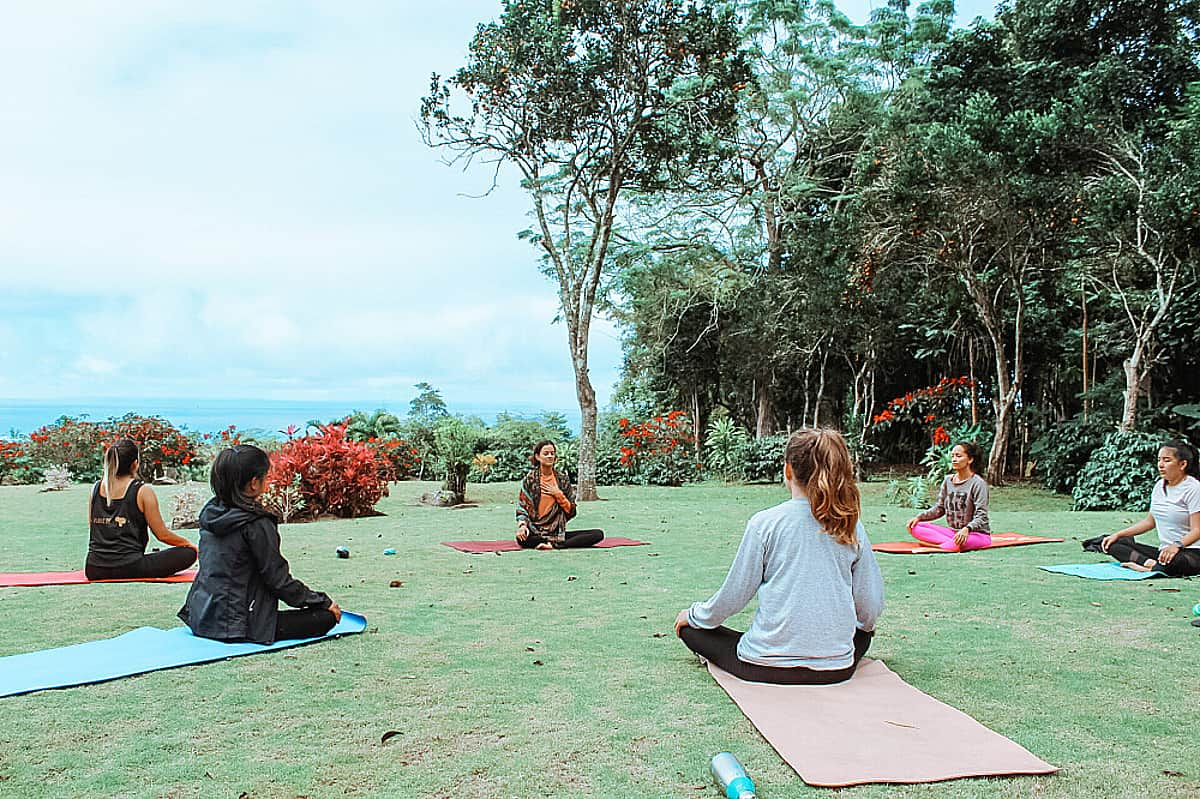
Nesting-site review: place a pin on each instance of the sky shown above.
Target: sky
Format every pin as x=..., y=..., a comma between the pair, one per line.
x=232, y=200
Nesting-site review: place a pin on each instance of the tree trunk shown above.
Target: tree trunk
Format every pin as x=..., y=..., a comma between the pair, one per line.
x=1009, y=376
x=764, y=421
x=578, y=333
x=820, y=390
x=1134, y=378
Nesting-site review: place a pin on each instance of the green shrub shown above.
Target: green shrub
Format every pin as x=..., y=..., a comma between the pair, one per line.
x=1061, y=453
x=761, y=459
x=1120, y=473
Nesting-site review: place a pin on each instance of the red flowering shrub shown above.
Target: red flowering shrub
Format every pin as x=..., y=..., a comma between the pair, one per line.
x=161, y=444
x=659, y=451
x=14, y=463
x=75, y=443
x=400, y=459
x=926, y=404
x=335, y=475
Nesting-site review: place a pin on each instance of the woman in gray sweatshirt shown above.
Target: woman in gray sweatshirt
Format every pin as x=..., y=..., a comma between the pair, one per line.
x=963, y=500
x=808, y=559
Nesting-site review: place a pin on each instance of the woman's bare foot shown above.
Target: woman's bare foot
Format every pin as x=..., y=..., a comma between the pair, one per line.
x=544, y=546
x=1140, y=567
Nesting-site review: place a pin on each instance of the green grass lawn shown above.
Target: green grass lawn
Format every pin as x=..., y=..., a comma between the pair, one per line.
x=556, y=674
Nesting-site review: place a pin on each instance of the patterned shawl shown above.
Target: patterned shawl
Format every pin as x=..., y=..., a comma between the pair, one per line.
x=553, y=525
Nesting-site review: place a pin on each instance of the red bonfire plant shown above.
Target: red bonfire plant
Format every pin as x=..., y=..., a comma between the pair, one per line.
x=336, y=476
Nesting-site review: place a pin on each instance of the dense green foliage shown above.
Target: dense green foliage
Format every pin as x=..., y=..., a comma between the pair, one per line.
x=1119, y=473
x=869, y=209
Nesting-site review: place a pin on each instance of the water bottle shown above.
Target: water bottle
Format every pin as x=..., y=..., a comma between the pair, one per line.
x=732, y=777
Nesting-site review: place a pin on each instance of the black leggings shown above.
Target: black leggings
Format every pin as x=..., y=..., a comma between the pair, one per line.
x=1186, y=562
x=155, y=564
x=306, y=623
x=719, y=646
x=574, y=538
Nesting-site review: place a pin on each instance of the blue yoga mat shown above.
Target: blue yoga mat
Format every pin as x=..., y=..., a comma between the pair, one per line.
x=1109, y=570
x=136, y=652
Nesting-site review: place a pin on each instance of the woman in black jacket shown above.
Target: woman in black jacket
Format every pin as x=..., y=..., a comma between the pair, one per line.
x=243, y=575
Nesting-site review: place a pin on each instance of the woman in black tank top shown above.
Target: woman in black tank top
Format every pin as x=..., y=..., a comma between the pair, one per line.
x=122, y=511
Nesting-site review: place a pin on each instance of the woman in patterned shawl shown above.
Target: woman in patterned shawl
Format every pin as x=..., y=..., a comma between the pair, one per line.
x=546, y=503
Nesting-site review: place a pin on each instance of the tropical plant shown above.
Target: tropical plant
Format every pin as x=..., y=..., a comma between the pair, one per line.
x=455, y=444
x=723, y=445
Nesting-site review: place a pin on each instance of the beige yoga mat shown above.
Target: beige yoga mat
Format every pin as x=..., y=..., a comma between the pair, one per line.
x=874, y=728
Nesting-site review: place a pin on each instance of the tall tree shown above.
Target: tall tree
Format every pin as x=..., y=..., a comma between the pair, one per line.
x=591, y=100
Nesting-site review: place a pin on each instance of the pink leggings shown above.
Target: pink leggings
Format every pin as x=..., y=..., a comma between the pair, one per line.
x=943, y=537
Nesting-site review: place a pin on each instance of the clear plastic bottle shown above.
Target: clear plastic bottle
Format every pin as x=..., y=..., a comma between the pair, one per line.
x=732, y=776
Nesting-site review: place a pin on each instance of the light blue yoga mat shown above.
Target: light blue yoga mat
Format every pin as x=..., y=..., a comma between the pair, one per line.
x=1109, y=570
x=136, y=652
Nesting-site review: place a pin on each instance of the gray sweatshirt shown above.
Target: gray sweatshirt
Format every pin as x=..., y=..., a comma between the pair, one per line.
x=964, y=504
x=813, y=593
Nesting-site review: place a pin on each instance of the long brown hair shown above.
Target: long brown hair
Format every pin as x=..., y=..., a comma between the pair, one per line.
x=118, y=462
x=820, y=462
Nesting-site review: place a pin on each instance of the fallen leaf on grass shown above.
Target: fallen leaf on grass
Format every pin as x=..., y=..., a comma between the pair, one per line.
x=396, y=584
x=389, y=734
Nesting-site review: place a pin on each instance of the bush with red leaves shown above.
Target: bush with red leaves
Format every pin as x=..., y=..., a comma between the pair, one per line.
x=336, y=476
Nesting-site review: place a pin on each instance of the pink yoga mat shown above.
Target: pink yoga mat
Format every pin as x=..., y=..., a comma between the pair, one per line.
x=479, y=547
x=13, y=580
x=874, y=728
x=914, y=547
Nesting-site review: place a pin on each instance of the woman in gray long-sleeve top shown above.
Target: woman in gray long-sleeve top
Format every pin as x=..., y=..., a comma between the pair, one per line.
x=808, y=559
x=963, y=500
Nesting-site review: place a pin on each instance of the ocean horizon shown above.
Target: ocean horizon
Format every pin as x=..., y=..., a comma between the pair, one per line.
x=19, y=417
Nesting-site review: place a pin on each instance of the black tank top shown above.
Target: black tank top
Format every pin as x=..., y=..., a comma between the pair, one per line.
x=118, y=529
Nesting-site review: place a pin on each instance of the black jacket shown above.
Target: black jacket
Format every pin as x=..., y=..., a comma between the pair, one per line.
x=242, y=577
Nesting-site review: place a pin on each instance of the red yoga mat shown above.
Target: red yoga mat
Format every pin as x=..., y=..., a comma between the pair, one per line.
x=480, y=547
x=77, y=577
x=915, y=547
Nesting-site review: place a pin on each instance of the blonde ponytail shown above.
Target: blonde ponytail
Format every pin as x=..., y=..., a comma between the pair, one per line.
x=118, y=462
x=110, y=470
x=820, y=462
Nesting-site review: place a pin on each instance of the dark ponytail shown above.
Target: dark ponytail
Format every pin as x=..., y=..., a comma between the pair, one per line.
x=1187, y=453
x=118, y=462
x=232, y=470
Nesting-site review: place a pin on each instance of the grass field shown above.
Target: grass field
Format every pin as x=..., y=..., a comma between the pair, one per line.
x=1094, y=677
